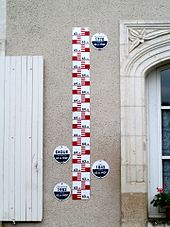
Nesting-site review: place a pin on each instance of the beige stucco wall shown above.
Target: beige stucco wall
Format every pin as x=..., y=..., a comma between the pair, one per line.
x=43, y=27
x=2, y=26
x=2, y=19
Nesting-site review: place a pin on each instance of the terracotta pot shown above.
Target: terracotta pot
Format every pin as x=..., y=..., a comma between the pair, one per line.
x=168, y=212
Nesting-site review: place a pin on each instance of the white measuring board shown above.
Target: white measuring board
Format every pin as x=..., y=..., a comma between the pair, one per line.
x=81, y=113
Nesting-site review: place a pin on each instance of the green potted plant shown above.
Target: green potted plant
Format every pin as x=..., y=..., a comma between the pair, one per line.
x=162, y=200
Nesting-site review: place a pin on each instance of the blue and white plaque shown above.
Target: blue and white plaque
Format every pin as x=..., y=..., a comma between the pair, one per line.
x=61, y=154
x=99, y=40
x=62, y=191
x=100, y=169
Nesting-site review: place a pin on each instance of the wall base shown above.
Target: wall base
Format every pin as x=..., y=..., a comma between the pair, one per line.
x=134, y=209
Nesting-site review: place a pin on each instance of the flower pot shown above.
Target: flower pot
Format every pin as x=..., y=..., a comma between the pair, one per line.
x=168, y=212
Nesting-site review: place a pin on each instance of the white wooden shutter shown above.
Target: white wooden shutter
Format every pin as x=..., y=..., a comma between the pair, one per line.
x=21, y=127
x=154, y=137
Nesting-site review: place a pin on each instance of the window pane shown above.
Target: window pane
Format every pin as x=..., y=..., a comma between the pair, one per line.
x=166, y=174
x=165, y=87
x=165, y=132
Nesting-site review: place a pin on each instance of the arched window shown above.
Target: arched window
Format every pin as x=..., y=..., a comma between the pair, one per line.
x=158, y=122
x=144, y=116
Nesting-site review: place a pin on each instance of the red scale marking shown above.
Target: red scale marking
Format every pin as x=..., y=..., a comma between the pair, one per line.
x=75, y=75
x=76, y=58
x=85, y=49
x=84, y=116
x=78, y=126
x=84, y=82
x=85, y=134
x=85, y=33
x=77, y=90
x=87, y=99
x=77, y=41
x=84, y=168
x=84, y=151
x=77, y=143
x=83, y=99
x=77, y=159
x=84, y=186
x=76, y=195
x=76, y=109
x=77, y=178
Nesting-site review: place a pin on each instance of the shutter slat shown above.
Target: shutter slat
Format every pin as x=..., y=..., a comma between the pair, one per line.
x=35, y=139
x=29, y=140
x=23, y=133
x=12, y=138
x=2, y=91
x=18, y=150
x=5, y=182
x=40, y=137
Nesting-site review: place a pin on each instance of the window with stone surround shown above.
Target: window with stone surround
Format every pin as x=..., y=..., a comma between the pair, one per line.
x=144, y=49
x=158, y=122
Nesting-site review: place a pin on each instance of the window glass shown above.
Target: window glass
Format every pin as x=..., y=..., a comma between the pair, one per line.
x=165, y=87
x=166, y=175
x=165, y=132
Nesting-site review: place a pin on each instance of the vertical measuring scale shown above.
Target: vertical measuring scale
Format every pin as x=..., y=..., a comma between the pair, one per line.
x=81, y=113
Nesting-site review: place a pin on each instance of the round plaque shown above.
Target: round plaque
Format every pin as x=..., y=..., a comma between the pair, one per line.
x=62, y=191
x=99, y=40
x=61, y=154
x=100, y=169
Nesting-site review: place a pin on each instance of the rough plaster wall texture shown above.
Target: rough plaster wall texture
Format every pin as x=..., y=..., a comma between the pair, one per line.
x=2, y=26
x=44, y=28
x=2, y=19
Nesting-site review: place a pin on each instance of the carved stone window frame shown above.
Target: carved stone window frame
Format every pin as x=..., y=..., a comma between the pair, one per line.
x=144, y=45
